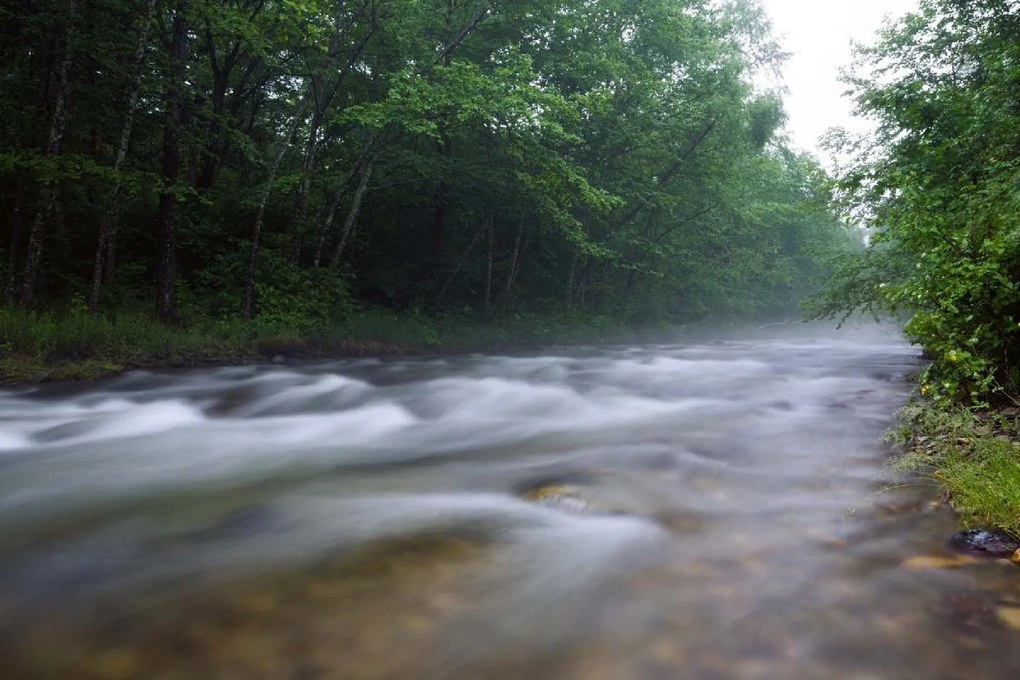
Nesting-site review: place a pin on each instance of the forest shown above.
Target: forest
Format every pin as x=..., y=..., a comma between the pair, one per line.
x=291, y=164
x=938, y=189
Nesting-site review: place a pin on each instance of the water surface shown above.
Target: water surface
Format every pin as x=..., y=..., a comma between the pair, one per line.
x=699, y=510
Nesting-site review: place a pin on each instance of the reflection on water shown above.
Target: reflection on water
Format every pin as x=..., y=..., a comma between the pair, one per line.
x=689, y=511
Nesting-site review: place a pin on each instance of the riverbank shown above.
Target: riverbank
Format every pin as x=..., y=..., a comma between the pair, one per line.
x=79, y=346
x=974, y=455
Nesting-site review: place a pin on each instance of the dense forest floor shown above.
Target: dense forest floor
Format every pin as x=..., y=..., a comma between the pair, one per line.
x=76, y=345
x=973, y=454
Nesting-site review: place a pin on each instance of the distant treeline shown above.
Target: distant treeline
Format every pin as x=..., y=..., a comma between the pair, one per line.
x=294, y=159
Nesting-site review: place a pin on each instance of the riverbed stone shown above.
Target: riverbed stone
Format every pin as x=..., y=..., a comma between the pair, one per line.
x=1010, y=616
x=988, y=542
x=560, y=496
x=921, y=562
x=116, y=664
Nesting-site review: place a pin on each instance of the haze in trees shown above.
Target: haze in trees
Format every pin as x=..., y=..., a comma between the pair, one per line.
x=296, y=160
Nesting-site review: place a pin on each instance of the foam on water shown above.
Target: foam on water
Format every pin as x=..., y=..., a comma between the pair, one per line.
x=10, y=441
x=134, y=420
x=707, y=416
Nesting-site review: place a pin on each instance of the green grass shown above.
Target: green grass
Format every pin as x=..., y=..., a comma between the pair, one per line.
x=77, y=345
x=40, y=346
x=974, y=455
x=984, y=483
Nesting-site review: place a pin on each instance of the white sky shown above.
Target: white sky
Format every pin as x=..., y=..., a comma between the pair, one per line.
x=818, y=34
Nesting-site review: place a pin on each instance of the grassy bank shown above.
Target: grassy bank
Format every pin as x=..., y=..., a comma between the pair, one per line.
x=975, y=456
x=77, y=345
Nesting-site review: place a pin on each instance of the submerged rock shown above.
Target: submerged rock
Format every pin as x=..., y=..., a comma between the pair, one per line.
x=919, y=562
x=1010, y=616
x=559, y=496
x=241, y=523
x=990, y=542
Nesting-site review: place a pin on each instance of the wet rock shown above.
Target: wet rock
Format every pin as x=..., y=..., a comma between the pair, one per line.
x=1010, y=616
x=241, y=523
x=116, y=664
x=988, y=542
x=921, y=562
x=558, y=496
x=550, y=480
x=682, y=521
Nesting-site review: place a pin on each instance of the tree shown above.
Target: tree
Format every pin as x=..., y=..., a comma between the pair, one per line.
x=166, y=255
x=455, y=156
x=937, y=189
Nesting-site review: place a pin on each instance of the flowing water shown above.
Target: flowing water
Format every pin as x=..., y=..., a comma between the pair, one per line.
x=693, y=511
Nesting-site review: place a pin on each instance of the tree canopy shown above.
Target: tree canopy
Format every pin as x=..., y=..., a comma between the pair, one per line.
x=939, y=189
x=292, y=159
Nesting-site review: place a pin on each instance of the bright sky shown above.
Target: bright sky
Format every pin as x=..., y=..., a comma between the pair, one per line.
x=818, y=34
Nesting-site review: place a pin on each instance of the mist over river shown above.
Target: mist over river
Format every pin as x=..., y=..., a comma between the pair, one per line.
x=700, y=510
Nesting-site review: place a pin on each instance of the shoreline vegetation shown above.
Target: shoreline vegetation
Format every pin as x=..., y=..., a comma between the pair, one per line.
x=75, y=345
x=974, y=456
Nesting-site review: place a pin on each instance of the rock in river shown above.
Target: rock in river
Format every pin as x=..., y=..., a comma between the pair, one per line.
x=990, y=542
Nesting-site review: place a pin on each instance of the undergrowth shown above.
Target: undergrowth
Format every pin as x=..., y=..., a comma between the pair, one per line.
x=75, y=344
x=974, y=455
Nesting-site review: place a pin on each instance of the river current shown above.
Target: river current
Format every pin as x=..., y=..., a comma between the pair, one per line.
x=718, y=509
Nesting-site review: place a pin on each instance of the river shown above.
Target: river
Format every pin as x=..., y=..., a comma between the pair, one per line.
x=716, y=509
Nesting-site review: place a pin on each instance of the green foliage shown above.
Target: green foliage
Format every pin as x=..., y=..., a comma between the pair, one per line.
x=984, y=483
x=976, y=458
x=938, y=190
x=599, y=160
x=48, y=340
x=74, y=344
x=300, y=300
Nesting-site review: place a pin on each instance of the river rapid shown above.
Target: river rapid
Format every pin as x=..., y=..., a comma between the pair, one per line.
x=700, y=510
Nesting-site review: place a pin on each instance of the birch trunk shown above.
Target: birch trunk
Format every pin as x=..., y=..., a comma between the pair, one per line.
x=491, y=234
x=515, y=261
x=457, y=269
x=166, y=255
x=352, y=214
x=108, y=227
x=48, y=195
x=248, y=308
x=16, y=236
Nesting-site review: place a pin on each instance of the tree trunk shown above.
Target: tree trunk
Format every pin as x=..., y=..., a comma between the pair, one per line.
x=327, y=222
x=515, y=260
x=166, y=256
x=307, y=168
x=108, y=227
x=438, y=217
x=458, y=267
x=248, y=308
x=218, y=144
x=48, y=195
x=334, y=205
x=582, y=284
x=440, y=198
x=16, y=235
x=491, y=234
x=352, y=214
x=568, y=302
x=324, y=93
